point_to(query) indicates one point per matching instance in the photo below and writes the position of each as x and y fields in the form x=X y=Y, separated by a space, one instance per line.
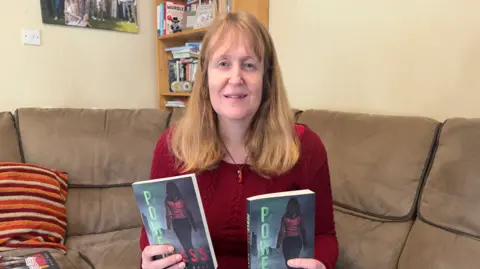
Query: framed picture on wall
x=115 y=15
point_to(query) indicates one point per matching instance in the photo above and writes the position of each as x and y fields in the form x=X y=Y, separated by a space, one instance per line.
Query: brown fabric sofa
x=405 y=188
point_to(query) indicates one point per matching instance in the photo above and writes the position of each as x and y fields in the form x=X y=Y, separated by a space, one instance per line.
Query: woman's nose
x=236 y=75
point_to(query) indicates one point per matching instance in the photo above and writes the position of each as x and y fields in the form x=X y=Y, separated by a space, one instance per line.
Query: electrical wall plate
x=31 y=37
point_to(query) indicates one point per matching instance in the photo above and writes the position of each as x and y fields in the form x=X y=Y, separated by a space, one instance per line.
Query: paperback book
x=281 y=226
x=172 y=213
x=40 y=260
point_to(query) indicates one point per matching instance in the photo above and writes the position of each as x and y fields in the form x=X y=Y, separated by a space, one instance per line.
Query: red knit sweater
x=224 y=199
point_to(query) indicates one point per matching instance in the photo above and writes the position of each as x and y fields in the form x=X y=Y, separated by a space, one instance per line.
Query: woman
x=238 y=135
x=179 y=217
x=292 y=232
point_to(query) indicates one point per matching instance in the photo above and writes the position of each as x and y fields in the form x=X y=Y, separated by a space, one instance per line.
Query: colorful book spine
x=160 y=20
x=281 y=226
x=172 y=213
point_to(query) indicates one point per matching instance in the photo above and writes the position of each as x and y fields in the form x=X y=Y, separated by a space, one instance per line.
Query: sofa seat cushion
x=9 y=144
x=432 y=247
x=86 y=241
x=123 y=254
x=60 y=258
x=377 y=162
x=97 y=251
x=32 y=207
x=365 y=243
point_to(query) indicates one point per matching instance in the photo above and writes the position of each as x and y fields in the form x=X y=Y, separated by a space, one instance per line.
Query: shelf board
x=185 y=35
x=175 y=94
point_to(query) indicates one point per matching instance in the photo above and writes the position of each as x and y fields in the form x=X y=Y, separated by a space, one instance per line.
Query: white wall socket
x=31 y=37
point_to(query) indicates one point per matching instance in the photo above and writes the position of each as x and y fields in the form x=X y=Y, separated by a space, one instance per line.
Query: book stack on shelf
x=181 y=70
x=180 y=27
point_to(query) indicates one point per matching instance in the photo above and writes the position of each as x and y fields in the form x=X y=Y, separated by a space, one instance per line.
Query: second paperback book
x=281 y=227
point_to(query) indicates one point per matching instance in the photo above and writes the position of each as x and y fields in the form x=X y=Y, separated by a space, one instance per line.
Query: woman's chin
x=236 y=116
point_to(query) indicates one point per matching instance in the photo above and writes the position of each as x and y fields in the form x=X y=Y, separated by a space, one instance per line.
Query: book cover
x=204 y=15
x=174 y=12
x=281 y=226
x=172 y=213
x=39 y=260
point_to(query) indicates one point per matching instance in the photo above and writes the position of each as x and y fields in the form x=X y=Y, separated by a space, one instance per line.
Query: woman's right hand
x=171 y=262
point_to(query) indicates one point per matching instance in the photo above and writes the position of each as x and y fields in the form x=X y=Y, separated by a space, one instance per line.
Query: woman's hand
x=306 y=264
x=170 y=262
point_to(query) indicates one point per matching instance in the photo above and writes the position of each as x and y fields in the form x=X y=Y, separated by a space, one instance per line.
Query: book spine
x=162 y=19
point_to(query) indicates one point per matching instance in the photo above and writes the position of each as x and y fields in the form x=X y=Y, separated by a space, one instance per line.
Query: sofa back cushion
x=376 y=161
x=451 y=194
x=9 y=146
x=447 y=232
x=103 y=152
x=377 y=165
x=177 y=114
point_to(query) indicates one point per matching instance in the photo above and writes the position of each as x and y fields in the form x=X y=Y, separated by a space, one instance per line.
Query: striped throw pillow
x=32 y=207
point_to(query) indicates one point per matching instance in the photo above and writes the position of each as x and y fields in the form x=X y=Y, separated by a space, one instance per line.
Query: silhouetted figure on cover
x=254 y=244
x=292 y=232
x=179 y=217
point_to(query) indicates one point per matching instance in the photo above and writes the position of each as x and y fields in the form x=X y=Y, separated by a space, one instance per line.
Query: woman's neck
x=233 y=134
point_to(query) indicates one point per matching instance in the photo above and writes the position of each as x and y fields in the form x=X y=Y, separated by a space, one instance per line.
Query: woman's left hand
x=306 y=264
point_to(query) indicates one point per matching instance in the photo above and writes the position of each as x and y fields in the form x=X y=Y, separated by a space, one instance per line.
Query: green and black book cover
x=172 y=214
x=281 y=226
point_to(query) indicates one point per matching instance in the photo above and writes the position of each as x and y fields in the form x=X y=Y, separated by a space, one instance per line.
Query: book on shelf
x=160 y=19
x=281 y=226
x=183 y=66
x=172 y=213
x=174 y=17
x=37 y=260
x=191 y=49
x=175 y=103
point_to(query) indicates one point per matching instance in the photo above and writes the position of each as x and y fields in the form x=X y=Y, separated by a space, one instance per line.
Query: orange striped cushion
x=32 y=207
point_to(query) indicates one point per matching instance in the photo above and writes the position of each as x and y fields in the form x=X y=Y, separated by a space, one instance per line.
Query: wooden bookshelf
x=184 y=94
x=259 y=8
x=194 y=34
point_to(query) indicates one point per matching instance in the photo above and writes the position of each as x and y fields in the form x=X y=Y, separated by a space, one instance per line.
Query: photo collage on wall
x=115 y=15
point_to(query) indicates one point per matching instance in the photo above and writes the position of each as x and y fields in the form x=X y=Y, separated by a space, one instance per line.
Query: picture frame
x=114 y=15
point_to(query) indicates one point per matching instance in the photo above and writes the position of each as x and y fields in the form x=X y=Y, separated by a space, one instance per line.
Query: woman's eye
x=223 y=64
x=249 y=65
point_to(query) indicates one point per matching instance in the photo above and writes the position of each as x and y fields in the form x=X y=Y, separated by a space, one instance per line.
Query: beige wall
x=398 y=57
x=110 y=69
x=412 y=57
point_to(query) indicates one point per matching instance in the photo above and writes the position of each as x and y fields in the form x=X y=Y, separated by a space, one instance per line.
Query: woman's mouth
x=236 y=96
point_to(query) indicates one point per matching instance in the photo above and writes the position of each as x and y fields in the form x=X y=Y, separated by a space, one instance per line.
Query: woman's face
x=235 y=80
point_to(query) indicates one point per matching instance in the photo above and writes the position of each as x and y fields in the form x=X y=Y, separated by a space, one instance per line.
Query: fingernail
x=170 y=248
x=291 y=263
x=181 y=265
x=179 y=257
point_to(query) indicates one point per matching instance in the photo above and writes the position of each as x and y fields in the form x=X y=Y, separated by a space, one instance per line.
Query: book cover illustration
x=174 y=12
x=281 y=226
x=40 y=260
x=172 y=213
